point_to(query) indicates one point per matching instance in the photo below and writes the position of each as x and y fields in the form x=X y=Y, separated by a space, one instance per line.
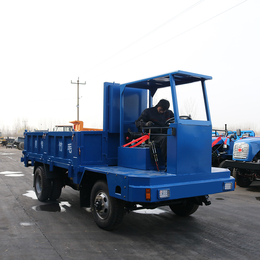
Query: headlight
x=240 y=150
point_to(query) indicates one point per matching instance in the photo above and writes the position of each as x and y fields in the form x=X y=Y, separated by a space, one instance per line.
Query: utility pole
x=78 y=95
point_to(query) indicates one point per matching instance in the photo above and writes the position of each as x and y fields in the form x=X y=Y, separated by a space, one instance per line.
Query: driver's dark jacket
x=151 y=114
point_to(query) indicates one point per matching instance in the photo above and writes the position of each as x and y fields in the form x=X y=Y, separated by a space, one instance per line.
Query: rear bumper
x=181 y=190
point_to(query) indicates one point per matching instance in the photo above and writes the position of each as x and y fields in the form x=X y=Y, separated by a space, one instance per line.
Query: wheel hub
x=38 y=184
x=101 y=205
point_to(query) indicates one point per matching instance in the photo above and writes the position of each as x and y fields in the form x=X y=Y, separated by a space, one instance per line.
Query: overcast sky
x=46 y=44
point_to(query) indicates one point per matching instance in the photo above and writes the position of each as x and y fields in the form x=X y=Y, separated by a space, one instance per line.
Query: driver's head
x=162 y=106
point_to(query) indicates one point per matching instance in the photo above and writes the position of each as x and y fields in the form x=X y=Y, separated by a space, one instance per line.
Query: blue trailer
x=113 y=178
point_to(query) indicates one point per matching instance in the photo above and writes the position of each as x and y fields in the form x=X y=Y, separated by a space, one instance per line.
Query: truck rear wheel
x=185 y=209
x=108 y=212
x=42 y=185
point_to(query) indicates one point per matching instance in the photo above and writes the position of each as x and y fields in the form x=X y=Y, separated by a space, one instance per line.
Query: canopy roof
x=180 y=77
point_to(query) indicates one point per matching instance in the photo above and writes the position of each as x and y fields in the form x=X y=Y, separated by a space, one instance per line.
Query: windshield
x=191 y=104
x=191 y=101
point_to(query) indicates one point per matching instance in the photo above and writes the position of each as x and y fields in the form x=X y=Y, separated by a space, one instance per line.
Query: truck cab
x=187 y=139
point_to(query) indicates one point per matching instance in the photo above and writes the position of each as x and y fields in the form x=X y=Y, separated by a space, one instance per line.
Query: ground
x=227 y=229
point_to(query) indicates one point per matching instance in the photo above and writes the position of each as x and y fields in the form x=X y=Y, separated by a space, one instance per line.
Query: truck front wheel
x=185 y=209
x=108 y=212
x=42 y=185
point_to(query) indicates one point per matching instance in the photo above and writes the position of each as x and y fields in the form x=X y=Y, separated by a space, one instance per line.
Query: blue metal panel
x=190 y=150
x=132 y=103
x=135 y=101
x=118 y=186
x=137 y=158
x=111 y=107
x=52 y=148
x=91 y=147
x=68 y=147
x=110 y=151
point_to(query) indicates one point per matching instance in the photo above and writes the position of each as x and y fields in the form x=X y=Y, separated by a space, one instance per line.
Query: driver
x=157 y=117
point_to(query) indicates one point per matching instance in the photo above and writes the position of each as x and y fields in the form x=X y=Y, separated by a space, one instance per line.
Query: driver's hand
x=149 y=123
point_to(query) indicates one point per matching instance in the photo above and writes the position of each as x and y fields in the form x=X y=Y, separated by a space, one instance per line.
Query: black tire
x=42 y=185
x=234 y=173
x=221 y=165
x=241 y=180
x=229 y=168
x=56 y=189
x=21 y=146
x=185 y=209
x=108 y=212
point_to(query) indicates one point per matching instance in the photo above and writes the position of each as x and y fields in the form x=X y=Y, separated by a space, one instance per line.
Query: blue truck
x=223 y=142
x=114 y=178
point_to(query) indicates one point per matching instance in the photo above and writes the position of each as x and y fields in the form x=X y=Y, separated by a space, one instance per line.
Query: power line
x=147 y=34
x=176 y=36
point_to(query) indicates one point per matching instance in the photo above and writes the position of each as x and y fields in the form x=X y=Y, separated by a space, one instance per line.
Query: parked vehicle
x=245 y=163
x=114 y=177
x=223 y=143
x=2 y=141
x=9 y=142
x=19 y=143
x=63 y=128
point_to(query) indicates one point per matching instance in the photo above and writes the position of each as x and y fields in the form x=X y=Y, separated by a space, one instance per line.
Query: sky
x=46 y=45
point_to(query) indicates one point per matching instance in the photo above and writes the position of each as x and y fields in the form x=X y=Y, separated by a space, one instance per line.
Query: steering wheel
x=186 y=117
x=170 y=120
x=233 y=137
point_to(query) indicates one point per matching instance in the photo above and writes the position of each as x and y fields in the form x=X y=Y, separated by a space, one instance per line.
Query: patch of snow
x=31 y=194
